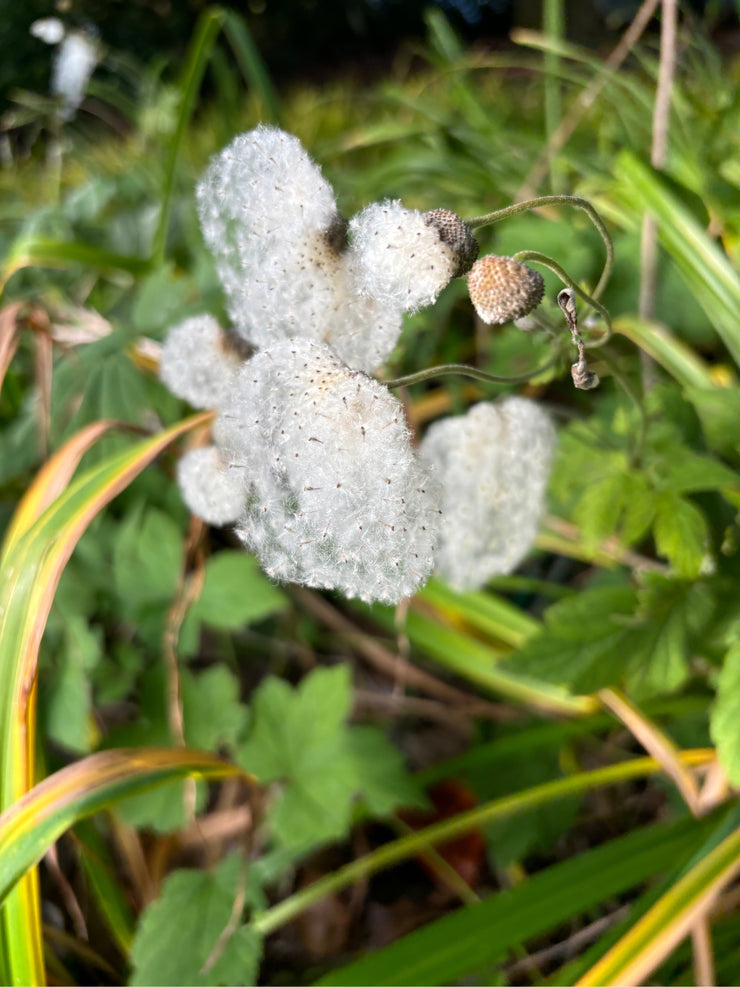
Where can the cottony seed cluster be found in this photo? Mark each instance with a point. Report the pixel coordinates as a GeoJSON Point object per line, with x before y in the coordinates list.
{"type": "Point", "coordinates": [312, 460]}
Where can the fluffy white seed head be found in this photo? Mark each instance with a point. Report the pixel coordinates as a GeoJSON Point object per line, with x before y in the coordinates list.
{"type": "Point", "coordinates": [495, 463]}
{"type": "Point", "coordinates": [270, 220]}
{"type": "Point", "coordinates": [397, 255]}
{"type": "Point", "coordinates": [337, 499]}
{"type": "Point", "coordinates": [210, 489]}
{"type": "Point", "coordinates": [198, 363]}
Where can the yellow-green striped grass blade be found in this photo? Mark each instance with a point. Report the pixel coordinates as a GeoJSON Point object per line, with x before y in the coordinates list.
{"type": "Point", "coordinates": [30, 826]}
{"type": "Point", "coordinates": [49, 521]}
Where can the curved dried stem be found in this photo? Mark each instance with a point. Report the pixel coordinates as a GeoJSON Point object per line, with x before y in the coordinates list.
{"type": "Point", "coordinates": [576, 202]}
{"type": "Point", "coordinates": [465, 371]}
{"type": "Point", "coordinates": [537, 258]}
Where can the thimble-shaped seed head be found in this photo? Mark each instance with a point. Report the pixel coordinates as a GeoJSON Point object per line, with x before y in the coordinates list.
{"type": "Point", "coordinates": [502, 289]}
{"type": "Point", "coordinates": [457, 235]}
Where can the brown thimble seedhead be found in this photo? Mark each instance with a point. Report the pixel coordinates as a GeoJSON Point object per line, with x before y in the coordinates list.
{"type": "Point", "coordinates": [457, 235]}
{"type": "Point", "coordinates": [502, 289]}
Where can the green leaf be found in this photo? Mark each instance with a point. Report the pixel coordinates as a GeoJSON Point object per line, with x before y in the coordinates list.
{"type": "Point", "coordinates": [212, 713]}
{"type": "Point", "coordinates": [719, 411]}
{"type": "Point", "coordinates": [161, 300]}
{"type": "Point", "coordinates": [67, 699]}
{"type": "Point", "coordinates": [681, 534]}
{"type": "Point", "coordinates": [179, 932]}
{"type": "Point", "coordinates": [236, 592]}
{"type": "Point", "coordinates": [380, 768]}
{"type": "Point", "coordinates": [725, 716]}
{"type": "Point", "coordinates": [584, 644]}
{"type": "Point", "coordinates": [213, 719]}
{"type": "Point", "coordinates": [147, 558]}
{"type": "Point", "coordinates": [299, 738]}
{"type": "Point", "coordinates": [599, 508]}
{"type": "Point", "coordinates": [669, 610]}
{"type": "Point", "coordinates": [638, 508]}
{"type": "Point", "coordinates": [678, 470]}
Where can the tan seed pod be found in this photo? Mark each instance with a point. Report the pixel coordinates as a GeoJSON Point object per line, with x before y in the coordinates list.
{"type": "Point", "coordinates": [502, 289]}
{"type": "Point", "coordinates": [457, 235]}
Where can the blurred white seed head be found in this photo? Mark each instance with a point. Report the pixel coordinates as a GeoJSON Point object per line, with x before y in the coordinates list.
{"type": "Point", "coordinates": [494, 463]}
{"type": "Point", "coordinates": [73, 65]}
{"type": "Point", "coordinates": [502, 289]}
{"type": "Point", "coordinates": [198, 363]}
{"type": "Point", "coordinates": [50, 30]}
{"type": "Point", "coordinates": [338, 499]}
{"type": "Point", "coordinates": [399, 256]}
{"type": "Point", "coordinates": [211, 490]}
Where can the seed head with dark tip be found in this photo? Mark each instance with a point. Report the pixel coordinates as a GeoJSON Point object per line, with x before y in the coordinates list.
{"type": "Point", "coordinates": [457, 235]}
{"type": "Point", "coordinates": [502, 289]}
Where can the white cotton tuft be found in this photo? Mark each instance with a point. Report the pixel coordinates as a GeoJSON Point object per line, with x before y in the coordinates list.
{"type": "Point", "coordinates": [398, 256]}
{"type": "Point", "coordinates": [197, 362]}
{"type": "Point", "coordinates": [50, 30]}
{"type": "Point", "coordinates": [74, 63]}
{"type": "Point", "coordinates": [270, 220]}
{"type": "Point", "coordinates": [210, 489]}
{"type": "Point", "coordinates": [495, 463]}
{"type": "Point", "coordinates": [338, 499]}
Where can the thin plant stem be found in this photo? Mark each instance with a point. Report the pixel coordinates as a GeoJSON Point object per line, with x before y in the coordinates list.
{"type": "Point", "coordinates": [576, 202]}
{"type": "Point", "coordinates": [464, 370]}
{"type": "Point", "coordinates": [415, 843]}
{"type": "Point", "coordinates": [553, 25]}
{"type": "Point", "coordinates": [537, 258]}
{"type": "Point", "coordinates": [658, 154]}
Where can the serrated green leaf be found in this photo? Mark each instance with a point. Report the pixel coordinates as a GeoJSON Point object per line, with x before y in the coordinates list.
{"type": "Point", "coordinates": [638, 508]}
{"type": "Point", "coordinates": [179, 932]}
{"type": "Point", "coordinates": [212, 714]}
{"type": "Point", "coordinates": [148, 557]}
{"type": "Point", "coordinates": [681, 534]}
{"type": "Point", "coordinates": [212, 717]}
{"type": "Point", "coordinates": [660, 649]}
{"type": "Point", "coordinates": [66, 697]}
{"type": "Point", "coordinates": [584, 644]}
{"type": "Point", "coordinates": [379, 766]}
{"type": "Point", "coordinates": [725, 715]}
{"type": "Point", "coordinates": [678, 470]}
{"type": "Point", "coordinates": [299, 739]}
{"type": "Point", "coordinates": [161, 300]}
{"type": "Point", "coordinates": [600, 506]}
{"type": "Point", "coordinates": [236, 592]}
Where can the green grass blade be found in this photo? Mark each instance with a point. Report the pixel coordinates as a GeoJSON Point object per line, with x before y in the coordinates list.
{"type": "Point", "coordinates": [678, 359]}
{"type": "Point", "coordinates": [30, 826]}
{"type": "Point", "coordinates": [477, 661]}
{"type": "Point", "coordinates": [650, 941]}
{"type": "Point", "coordinates": [252, 67]}
{"type": "Point", "coordinates": [705, 267]}
{"type": "Point", "coordinates": [474, 938]}
{"type": "Point", "coordinates": [206, 32]}
{"type": "Point", "coordinates": [492, 615]}
{"type": "Point", "coordinates": [43, 251]}
{"type": "Point", "coordinates": [47, 525]}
